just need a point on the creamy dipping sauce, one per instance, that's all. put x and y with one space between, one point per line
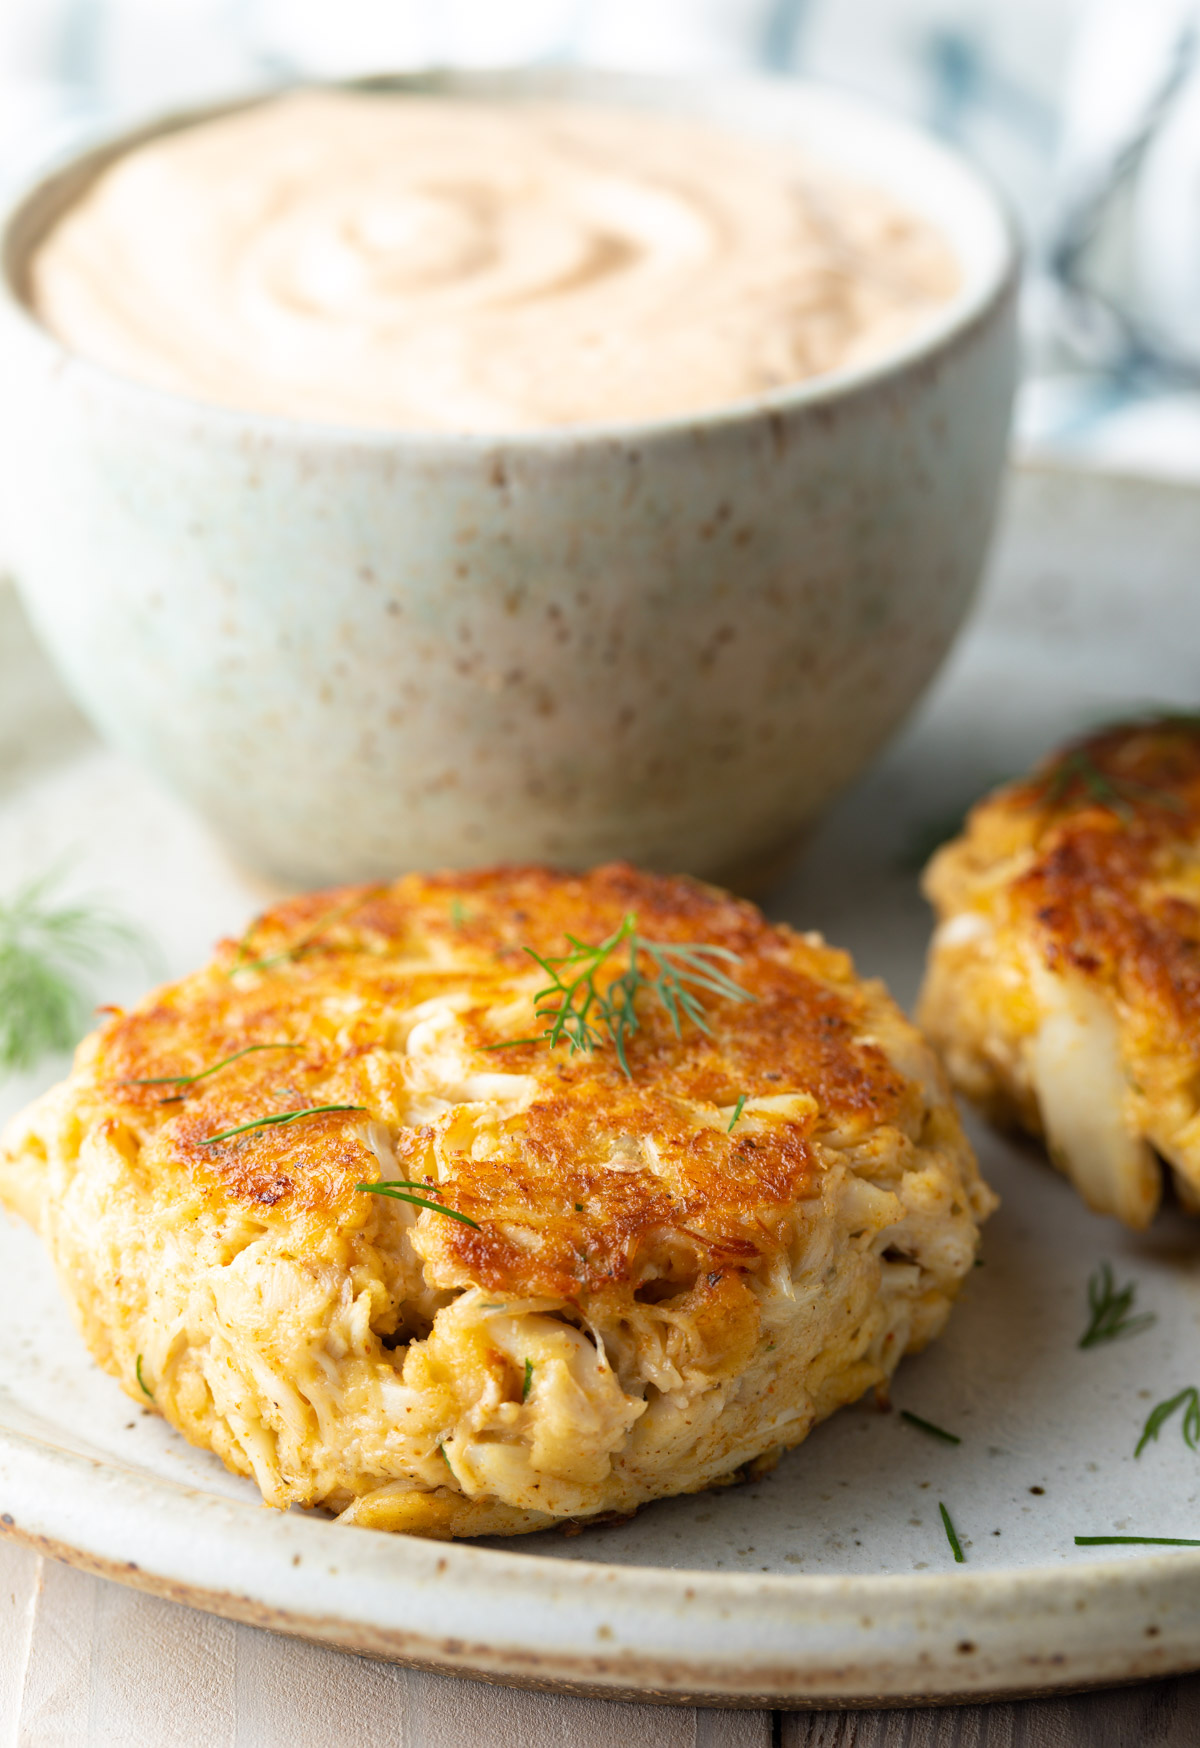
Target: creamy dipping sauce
443 264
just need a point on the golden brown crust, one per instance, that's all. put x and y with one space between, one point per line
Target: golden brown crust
373 948
1084 878
1116 819
664 1276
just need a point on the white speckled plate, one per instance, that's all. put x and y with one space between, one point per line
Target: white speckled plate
832 1580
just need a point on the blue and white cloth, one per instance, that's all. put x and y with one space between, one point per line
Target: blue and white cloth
1087 112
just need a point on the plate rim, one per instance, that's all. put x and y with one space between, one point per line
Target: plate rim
855 1639
668 1634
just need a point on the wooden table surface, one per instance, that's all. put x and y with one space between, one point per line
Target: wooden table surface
89 1664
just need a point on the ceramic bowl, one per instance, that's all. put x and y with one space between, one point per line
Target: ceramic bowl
357 651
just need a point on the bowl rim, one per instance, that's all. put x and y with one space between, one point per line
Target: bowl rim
52 183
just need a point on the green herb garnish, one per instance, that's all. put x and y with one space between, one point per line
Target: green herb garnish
1118 794
1110 1307
950 1438
528 1380
304 939
275 1121
951 1536
145 1389
458 914
400 1190
1137 1541
584 1014
737 1111
446 1460
191 1079
44 948
1189 1401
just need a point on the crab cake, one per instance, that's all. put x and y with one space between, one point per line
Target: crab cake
359 1227
1063 985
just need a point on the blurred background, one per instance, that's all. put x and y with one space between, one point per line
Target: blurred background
1086 112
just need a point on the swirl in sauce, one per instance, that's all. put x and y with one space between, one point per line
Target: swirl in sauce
445 264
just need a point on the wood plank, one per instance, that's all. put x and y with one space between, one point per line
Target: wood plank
20 1570
113 1668
159 1673
94 1665
1161 1714
54 1693
460 1714
735 1729
293 1695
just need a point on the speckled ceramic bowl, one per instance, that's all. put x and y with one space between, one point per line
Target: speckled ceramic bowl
358 651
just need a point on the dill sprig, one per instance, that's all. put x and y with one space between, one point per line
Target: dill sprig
1187 1399
584 1013
737 1111
1137 1541
401 1190
46 947
525 1388
950 1438
306 938
952 1536
1110 1308
186 1080
146 1390
1077 771
276 1121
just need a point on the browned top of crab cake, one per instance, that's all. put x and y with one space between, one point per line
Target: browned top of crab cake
401 1002
1099 851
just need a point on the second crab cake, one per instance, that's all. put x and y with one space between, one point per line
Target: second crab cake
363 1229
1063 984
